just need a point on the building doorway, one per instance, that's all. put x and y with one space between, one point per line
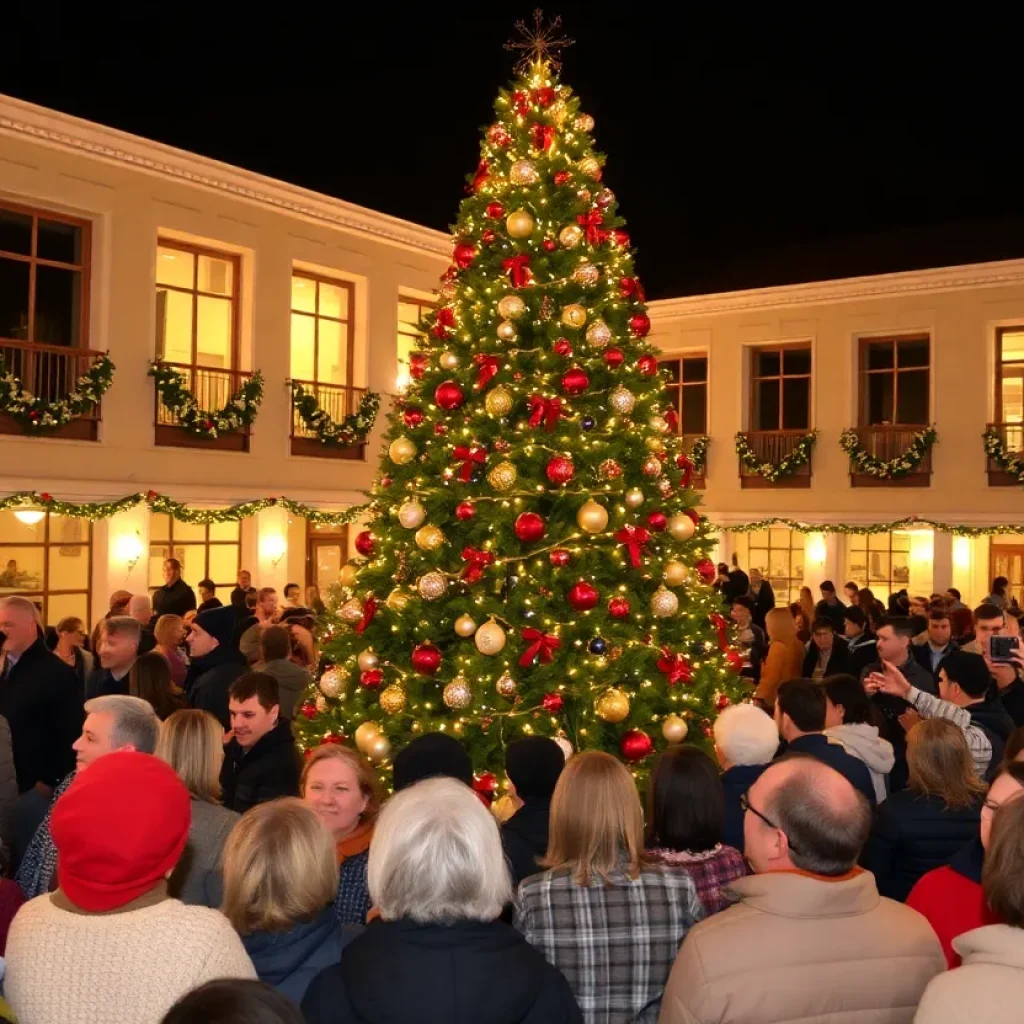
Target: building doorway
1008 560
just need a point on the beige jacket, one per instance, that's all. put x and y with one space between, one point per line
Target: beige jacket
800 948
988 986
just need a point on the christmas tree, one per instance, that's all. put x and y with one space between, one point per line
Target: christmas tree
535 562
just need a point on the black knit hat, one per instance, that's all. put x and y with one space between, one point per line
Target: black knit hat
427 756
219 623
534 764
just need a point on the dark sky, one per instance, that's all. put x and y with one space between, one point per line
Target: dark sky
746 149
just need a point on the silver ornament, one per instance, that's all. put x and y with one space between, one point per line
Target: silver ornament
622 400
664 603
412 514
598 336
448 360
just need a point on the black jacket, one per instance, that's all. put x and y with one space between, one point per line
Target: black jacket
176 599
764 602
913 834
836 612
214 602
838 658
525 838
470 972
835 756
735 782
209 679
995 721
923 655
271 768
1013 700
862 651
101 683
40 700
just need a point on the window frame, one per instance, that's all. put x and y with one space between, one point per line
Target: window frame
425 306
1000 362
205 544
891 584
781 348
864 374
317 316
791 583
678 388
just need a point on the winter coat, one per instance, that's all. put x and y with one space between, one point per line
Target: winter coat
101 683
711 870
210 679
469 972
784 661
353 903
838 659
862 740
994 720
291 960
912 834
836 612
764 602
798 947
524 838
923 655
988 986
735 782
267 770
862 650
835 756
176 599
292 682
196 879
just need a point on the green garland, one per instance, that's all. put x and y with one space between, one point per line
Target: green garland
350 431
699 453
861 461
996 450
239 412
37 415
847 529
773 472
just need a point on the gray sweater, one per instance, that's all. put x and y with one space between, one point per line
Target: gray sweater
292 682
196 879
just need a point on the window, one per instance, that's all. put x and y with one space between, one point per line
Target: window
1006 558
1010 376
894 381
779 554
879 561
205 551
326 554
410 312
688 388
48 561
781 388
322 347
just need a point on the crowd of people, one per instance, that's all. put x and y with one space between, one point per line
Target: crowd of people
852 850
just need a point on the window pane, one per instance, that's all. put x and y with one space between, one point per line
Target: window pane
160 526
1013 345
21 569
900 569
303 294
879 355
58 294
405 345
223 564
15 232
157 554
409 317
60 606
778 537
225 531
796 360
13 299
1013 398
766 363
879 399
673 368
302 346
188 532
796 403
878 542
14 531
878 566
778 567
174 326
332 355
213 339
900 541
766 407
912 397
175 267
913 353
695 410
333 301
796 562
58 241
69 567
695 369
216 275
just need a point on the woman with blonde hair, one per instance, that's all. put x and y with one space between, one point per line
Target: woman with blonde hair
341 787
600 902
807 604
785 659
150 679
192 743
169 632
70 649
280 878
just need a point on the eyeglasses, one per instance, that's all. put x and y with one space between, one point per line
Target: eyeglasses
745 806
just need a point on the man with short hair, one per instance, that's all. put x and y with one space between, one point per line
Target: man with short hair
261 762
140 608
955 600
938 644
243 584
800 710
807 936
830 605
292 596
118 651
216 663
175 597
208 595
752 642
763 594
989 621
860 641
275 659
827 654
266 614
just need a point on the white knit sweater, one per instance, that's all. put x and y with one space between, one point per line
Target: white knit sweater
121 968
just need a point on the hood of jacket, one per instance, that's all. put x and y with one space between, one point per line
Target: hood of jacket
999 944
309 946
862 740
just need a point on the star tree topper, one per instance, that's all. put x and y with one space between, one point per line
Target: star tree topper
539 44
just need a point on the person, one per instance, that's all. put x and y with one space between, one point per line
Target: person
119 647
800 712
749 635
999 597
938 644
850 591
114 722
989 621
962 622
275 660
342 788
261 762
810 930
70 649
266 613
685 817
448 955
234 1001
951 897
861 643
169 633
746 740
785 655
150 679
314 602
801 623
827 654
110 943
872 608
533 765
39 699
175 597
923 826
216 664
433 753
140 608
242 587
280 880
763 594
899 603
830 606
988 984
852 720
599 902
192 743
731 582
807 605
956 601
208 595
291 596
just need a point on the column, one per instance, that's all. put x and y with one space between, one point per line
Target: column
944 552
127 555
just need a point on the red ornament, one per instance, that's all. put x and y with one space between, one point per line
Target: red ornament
559 558
575 381
621 237
152 495
483 172
529 527
563 347
440 429
495 211
549 244
465 510
647 365
488 236
426 659
553 702
706 570
46 497
614 357
630 287
618 608
542 136
413 416
685 464
560 470
640 324
486 783
561 177
333 737
582 596
635 745
520 102
364 543
372 678
449 395
308 711
657 521
544 96
385 481
417 365
464 254
735 661
498 135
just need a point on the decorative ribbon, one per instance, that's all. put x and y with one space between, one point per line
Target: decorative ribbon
672 419
369 610
417 364
518 268
445 320
632 288
592 223
475 560
470 458
675 666
634 537
481 176
520 103
541 644
721 625
685 464
487 367
546 411
543 136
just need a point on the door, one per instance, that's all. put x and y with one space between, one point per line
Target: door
326 553
1008 560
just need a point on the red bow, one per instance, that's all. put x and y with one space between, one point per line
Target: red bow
634 537
721 625
475 562
546 410
482 173
369 610
417 364
518 268
487 368
592 222
469 456
675 666
520 103
631 286
543 136
672 419
541 645
685 464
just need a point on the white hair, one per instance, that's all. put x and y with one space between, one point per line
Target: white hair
135 721
746 735
140 603
436 856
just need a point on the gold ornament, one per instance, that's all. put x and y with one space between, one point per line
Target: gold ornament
506 686
378 749
365 733
598 334
674 729
490 638
347 576
457 694
520 224
351 610
570 236
587 275
592 517
367 660
397 600
465 626
429 538
448 360
591 168
321 704
613 706
511 307
503 476
523 172
401 451
331 683
654 443
574 315
433 586
499 402
392 699
675 573
658 423
506 331
412 514
651 466
558 111
634 497
681 527
583 123
622 400
664 603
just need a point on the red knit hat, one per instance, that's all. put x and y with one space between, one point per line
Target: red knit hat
121 826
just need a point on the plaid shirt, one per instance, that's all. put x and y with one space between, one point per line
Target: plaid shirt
616 943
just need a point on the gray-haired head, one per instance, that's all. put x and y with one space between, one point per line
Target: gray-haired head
135 721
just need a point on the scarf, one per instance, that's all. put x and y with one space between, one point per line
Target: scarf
357 842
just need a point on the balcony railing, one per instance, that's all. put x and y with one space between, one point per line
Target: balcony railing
773 446
338 401
49 372
212 386
890 442
1012 435
700 476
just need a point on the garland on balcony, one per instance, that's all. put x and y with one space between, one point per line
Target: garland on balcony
699 453
847 529
775 471
996 450
351 430
862 461
37 415
239 412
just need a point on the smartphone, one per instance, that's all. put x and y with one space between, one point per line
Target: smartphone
1001 648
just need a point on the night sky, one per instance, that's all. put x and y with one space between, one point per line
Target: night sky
747 149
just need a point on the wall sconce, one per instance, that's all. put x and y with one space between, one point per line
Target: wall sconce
274 548
962 553
29 516
816 550
129 549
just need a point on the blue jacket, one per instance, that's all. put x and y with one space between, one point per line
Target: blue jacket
835 756
353 902
735 782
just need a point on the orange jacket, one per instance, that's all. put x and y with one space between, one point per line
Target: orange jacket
785 661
